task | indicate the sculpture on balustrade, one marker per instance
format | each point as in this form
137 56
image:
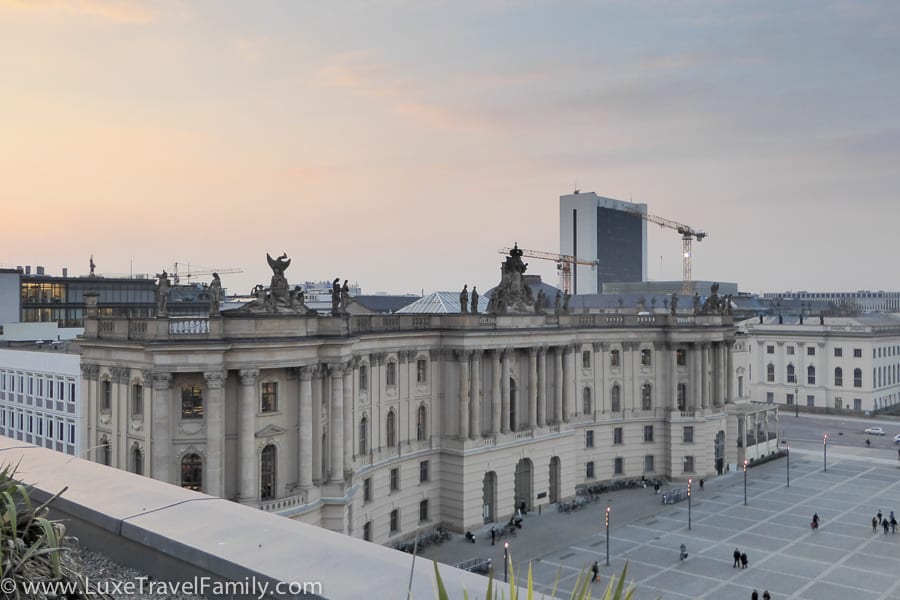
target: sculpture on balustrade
512 295
540 304
162 294
278 297
474 309
215 294
673 306
464 299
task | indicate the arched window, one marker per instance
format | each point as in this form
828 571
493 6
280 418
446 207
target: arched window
363 436
137 460
363 378
857 378
682 397
421 424
586 400
615 399
838 377
192 472
791 374
811 375
105 451
770 373
391 428
646 397
267 464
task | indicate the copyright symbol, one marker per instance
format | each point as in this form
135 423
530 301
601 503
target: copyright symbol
7 586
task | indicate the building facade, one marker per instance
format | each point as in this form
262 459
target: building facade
374 425
612 232
835 363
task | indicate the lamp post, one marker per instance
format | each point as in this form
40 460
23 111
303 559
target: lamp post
796 396
505 561
745 482
607 534
689 504
825 452
788 464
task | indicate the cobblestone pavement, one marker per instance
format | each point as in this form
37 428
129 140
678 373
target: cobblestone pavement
844 558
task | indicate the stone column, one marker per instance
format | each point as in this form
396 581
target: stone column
475 427
336 424
320 448
542 388
496 400
729 372
504 401
672 401
696 386
119 417
350 416
462 357
161 434
306 428
705 386
214 473
568 383
558 385
247 460
532 387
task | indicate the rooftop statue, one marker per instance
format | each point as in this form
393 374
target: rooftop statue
512 295
278 297
215 294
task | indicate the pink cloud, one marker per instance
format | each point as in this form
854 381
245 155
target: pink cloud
122 11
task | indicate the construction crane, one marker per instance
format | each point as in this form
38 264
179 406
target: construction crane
186 271
563 262
688 235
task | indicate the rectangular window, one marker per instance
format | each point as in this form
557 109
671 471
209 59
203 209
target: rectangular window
617 435
423 510
269 400
811 400
648 433
619 466
395 520
688 464
60 389
857 404
646 357
770 397
395 479
770 349
367 489
105 397
857 353
423 471
71 433
363 380
589 438
857 378
789 399
811 376
191 402
614 358
586 359
687 435
589 470
137 400
810 350
681 357
72 391
648 464
838 352
421 370
367 531
391 373
790 350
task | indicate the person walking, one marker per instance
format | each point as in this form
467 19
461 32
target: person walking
886 526
893 525
737 558
754 595
744 560
493 535
874 524
595 569
879 516
766 595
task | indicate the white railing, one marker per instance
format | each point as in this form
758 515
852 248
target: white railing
282 503
188 326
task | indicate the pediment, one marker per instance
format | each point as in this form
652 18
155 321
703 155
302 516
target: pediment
269 431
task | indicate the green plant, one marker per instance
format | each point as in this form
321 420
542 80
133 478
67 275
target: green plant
615 589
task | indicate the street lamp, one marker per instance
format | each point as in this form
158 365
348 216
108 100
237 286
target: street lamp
607 534
689 504
745 482
825 452
505 561
796 396
788 464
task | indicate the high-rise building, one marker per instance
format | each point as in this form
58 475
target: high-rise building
612 232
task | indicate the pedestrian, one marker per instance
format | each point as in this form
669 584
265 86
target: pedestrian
886 525
892 516
754 595
766 595
879 516
744 560
493 535
737 558
874 524
595 569
893 525
701 485
656 487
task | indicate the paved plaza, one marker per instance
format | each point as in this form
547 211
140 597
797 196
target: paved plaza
844 558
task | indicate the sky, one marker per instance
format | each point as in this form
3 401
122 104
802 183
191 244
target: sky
401 143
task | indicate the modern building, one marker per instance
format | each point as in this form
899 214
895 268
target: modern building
593 227
376 425
832 363
848 302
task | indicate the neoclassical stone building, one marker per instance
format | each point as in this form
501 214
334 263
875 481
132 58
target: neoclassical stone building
375 425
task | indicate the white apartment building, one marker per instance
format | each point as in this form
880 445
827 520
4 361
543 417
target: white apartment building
838 363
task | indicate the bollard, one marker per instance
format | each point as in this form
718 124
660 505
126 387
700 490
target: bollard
539 509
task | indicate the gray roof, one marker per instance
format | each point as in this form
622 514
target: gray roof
440 303
385 304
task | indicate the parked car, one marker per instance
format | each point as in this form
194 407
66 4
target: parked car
875 431
897 439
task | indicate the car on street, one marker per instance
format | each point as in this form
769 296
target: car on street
897 439
875 431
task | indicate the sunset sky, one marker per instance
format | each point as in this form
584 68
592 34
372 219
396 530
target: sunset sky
400 144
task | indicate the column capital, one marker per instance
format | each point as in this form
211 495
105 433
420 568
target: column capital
306 373
405 355
336 370
599 346
90 371
119 374
248 376
377 358
215 380
462 354
532 351
477 354
161 381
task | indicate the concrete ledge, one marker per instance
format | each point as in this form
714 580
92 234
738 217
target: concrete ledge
176 535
